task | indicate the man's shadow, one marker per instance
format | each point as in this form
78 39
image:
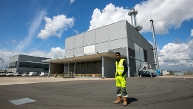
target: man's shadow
131 99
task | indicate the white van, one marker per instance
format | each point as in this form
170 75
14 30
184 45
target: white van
43 74
33 73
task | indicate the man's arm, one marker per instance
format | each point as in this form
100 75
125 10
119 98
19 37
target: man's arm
125 68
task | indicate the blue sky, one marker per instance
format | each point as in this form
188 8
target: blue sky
39 27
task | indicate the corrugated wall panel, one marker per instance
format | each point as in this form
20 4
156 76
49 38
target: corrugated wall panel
102 34
78 41
78 51
137 55
109 67
136 37
117 30
99 67
102 47
119 43
141 54
89 38
91 68
69 43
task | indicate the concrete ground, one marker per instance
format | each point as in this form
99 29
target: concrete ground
95 93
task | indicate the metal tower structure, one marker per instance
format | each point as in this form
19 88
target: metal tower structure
133 14
154 47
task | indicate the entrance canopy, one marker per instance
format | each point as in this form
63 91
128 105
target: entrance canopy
83 58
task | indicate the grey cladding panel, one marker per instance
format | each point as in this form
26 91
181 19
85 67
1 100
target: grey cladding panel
117 30
78 40
69 53
102 47
78 51
69 44
89 38
102 34
130 32
136 37
118 43
131 44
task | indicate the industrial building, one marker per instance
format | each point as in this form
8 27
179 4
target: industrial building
93 52
25 64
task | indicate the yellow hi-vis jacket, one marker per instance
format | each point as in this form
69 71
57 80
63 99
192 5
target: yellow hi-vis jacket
119 67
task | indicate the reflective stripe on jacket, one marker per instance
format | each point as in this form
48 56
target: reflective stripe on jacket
119 67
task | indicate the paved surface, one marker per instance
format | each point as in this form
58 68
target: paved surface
95 93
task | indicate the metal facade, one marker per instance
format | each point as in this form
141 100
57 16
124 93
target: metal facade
113 37
78 41
104 38
89 38
25 63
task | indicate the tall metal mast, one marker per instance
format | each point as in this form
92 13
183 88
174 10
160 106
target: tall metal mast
154 46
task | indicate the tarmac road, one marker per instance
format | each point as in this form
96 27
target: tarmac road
89 93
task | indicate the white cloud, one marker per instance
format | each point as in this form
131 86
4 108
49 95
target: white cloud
4 56
56 52
13 41
165 13
56 26
108 15
174 55
72 1
32 30
191 33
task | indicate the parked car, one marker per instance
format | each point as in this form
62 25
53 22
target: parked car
33 73
146 74
9 74
17 74
43 74
2 73
25 74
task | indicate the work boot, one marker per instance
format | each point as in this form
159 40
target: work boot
124 101
119 100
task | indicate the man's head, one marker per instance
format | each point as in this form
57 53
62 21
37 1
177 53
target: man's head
118 55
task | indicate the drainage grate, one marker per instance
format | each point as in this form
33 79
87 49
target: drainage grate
22 101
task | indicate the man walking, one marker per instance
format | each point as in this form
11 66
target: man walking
120 78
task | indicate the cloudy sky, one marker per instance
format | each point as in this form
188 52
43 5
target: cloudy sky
39 27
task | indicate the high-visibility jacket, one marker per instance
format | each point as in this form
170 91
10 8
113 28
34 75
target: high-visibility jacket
119 67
